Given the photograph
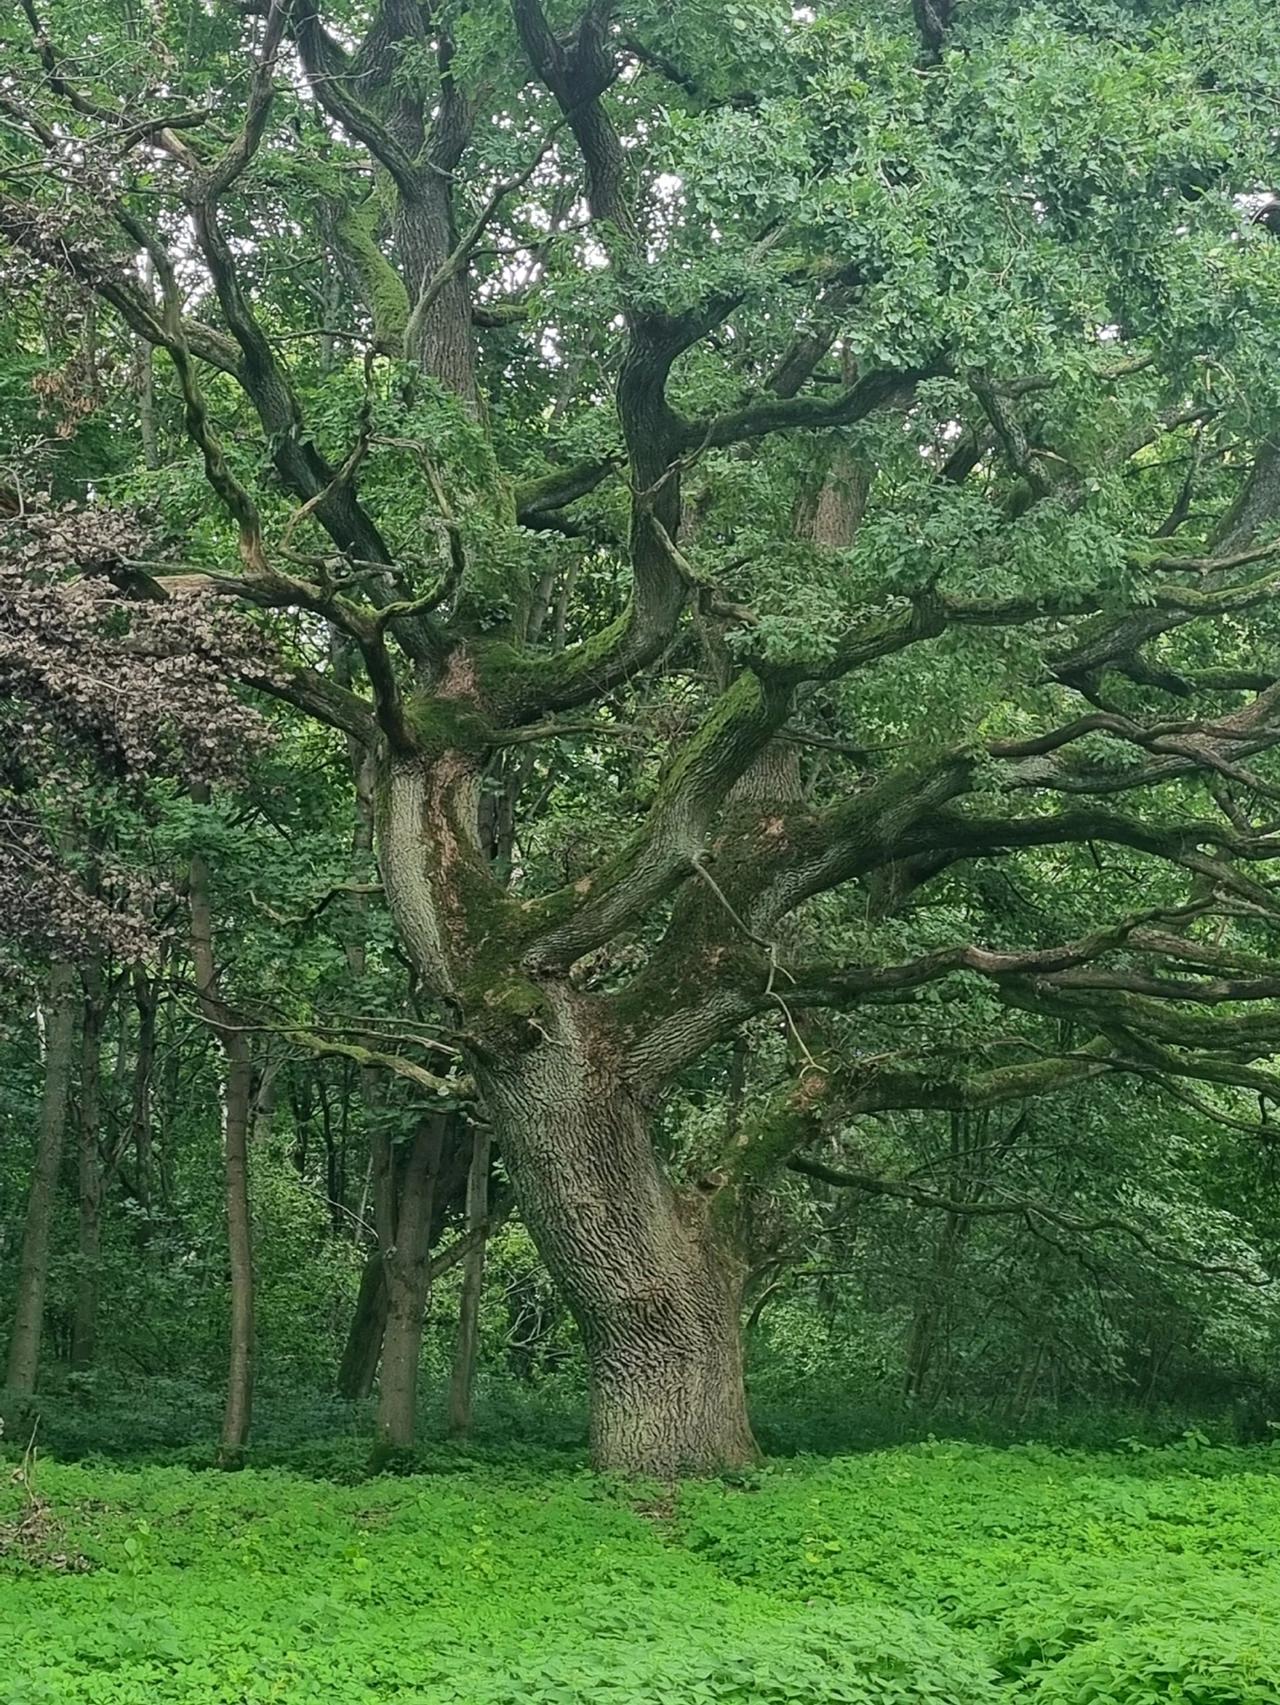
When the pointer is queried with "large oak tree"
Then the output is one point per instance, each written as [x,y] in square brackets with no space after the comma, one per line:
[863,415]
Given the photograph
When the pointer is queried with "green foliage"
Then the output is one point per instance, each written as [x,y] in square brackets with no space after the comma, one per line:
[938,1575]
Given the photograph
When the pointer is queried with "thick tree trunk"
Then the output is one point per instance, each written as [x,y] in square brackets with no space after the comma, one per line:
[667,1393]
[84,1326]
[33,1263]
[463,1378]
[406,1276]
[439,340]
[649,1272]
[653,1275]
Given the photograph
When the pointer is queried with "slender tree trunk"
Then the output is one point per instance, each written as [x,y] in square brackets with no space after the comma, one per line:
[358,1368]
[1033,1363]
[147,1001]
[358,1224]
[405,1273]
[264,1104]
[237,1111]
[144,379]
[975,1156]
[33,1262]
[166,1103]
[650,1273]
[84,1327]
[236,1122]
[363,1349]
[929,1318]
[462,1382]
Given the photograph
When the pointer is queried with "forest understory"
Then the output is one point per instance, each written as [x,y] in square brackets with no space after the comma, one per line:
[934,1574]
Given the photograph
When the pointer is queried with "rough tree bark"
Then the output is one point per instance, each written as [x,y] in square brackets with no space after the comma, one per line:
[33,1262]
[649,1272]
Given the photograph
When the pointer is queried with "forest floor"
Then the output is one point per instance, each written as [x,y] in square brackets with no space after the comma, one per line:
[936,1574]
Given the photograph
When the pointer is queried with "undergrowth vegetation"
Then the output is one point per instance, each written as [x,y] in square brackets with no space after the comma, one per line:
[933,1574]
[174,1422]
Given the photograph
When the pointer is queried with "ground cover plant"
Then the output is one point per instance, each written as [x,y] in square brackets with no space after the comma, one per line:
[942,1574]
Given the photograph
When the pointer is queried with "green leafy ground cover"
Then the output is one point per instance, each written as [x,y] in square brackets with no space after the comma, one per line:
[937,1574]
